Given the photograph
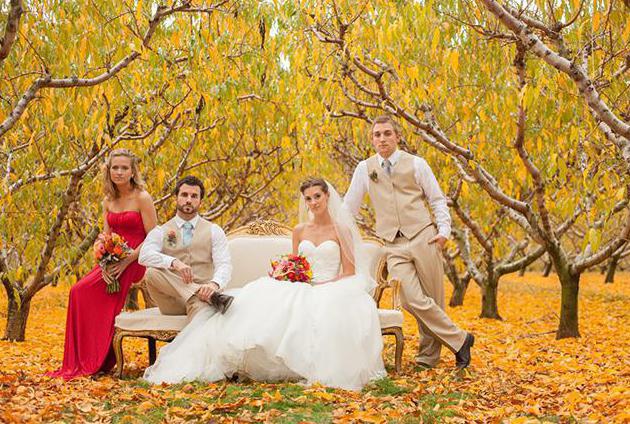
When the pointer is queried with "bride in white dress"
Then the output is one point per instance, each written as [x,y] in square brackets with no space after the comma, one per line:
[325,332]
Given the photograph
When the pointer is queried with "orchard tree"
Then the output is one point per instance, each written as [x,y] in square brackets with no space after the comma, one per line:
[411,60]
[168,81]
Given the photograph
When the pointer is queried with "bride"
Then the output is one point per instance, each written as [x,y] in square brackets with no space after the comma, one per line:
[325,332]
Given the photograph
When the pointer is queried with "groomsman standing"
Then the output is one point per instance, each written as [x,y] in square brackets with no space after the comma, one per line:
[398,184]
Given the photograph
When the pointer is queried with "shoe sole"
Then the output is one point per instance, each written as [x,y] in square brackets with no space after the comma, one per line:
[227,305]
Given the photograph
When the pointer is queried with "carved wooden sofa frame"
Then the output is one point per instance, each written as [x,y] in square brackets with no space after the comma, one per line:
[257,229]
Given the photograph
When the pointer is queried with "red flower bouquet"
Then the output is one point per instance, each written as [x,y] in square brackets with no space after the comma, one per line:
[294,268]
[110,249]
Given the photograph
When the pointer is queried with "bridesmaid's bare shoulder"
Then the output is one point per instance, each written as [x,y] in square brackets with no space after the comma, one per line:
[144,197]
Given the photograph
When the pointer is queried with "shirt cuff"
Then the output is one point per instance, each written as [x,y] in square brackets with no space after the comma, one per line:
[168,261]
[219,281]
[444,232]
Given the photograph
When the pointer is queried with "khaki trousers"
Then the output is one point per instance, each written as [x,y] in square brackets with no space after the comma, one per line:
[418,266]
[172,295]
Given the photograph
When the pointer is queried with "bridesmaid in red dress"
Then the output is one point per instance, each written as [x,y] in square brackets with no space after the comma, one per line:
[127,210]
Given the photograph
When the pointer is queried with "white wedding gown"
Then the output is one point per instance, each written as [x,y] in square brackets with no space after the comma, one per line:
[276,330]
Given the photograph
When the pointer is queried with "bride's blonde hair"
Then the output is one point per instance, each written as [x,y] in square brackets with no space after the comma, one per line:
[137,182]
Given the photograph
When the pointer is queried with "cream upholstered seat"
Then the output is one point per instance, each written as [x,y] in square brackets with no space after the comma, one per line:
[251,248]
[150,318]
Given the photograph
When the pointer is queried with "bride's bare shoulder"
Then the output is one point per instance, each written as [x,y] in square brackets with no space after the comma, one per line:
[299,229]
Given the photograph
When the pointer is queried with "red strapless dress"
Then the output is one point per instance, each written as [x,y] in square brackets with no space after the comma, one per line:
[91,310]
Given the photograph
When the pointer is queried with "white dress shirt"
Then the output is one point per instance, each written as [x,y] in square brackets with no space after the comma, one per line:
[151,252]
[425,179]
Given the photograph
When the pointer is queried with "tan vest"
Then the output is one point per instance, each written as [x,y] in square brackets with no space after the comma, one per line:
[397,200]
[198,254]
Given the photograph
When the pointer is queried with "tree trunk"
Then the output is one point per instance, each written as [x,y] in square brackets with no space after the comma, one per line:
[522,271]
[569,326]
[131,304]
[459,291]
[612,267]
[547,269]
[489,294]
[15,329]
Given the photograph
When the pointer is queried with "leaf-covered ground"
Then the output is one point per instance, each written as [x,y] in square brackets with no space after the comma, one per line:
[519,374]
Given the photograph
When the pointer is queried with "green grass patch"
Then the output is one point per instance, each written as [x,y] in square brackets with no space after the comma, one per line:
[291,391]
[181,402]
[385,387]
[432,413]
[154,415]
[314,412]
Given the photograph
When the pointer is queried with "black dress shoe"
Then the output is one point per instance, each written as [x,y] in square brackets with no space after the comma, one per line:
[462,357]
[221,301]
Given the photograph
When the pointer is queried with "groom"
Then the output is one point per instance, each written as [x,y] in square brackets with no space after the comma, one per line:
[398,184]
[187,258]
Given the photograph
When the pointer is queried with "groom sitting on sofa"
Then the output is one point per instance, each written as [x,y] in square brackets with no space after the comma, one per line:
[187,258]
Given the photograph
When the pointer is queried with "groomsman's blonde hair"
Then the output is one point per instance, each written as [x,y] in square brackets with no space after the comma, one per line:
[386,119]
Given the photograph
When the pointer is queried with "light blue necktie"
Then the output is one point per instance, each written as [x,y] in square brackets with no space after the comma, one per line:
[187,233]
[387,166]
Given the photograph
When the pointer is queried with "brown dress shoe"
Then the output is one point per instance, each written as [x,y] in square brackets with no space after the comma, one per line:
[221,301]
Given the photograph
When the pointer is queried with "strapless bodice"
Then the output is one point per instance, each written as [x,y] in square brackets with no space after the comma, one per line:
[129,225]
[325,258]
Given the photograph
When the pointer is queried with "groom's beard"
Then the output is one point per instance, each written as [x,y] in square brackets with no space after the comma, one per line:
[187,209]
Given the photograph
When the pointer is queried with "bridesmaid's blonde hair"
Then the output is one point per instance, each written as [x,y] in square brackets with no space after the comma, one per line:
[137,182]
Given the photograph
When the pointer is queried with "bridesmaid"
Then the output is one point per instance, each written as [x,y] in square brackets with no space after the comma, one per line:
[127,210]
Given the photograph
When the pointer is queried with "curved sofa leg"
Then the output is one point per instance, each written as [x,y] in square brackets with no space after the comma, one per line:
[118,352]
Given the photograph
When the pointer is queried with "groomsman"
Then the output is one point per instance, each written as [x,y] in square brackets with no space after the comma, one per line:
[187,258]
[399,185]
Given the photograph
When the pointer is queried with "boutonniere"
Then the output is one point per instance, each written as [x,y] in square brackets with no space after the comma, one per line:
[374,176]
[171,238]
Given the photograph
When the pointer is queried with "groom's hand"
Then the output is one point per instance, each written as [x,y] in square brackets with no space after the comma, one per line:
[439,240]
[183,270]
[206,291]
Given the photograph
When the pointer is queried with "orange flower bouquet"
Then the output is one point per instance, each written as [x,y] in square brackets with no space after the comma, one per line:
[110,249]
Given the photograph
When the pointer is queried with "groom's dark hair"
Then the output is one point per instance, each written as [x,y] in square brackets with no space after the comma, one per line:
[190,180]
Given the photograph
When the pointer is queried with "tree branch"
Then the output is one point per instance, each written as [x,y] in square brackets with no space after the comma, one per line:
[519,63]
[506,268]
[87,164]
[461,238]
[48,82]
[573,70]
[482,238]
[604,253]
[11,29]
[38,281]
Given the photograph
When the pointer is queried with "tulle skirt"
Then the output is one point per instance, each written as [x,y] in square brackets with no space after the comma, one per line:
[274,331]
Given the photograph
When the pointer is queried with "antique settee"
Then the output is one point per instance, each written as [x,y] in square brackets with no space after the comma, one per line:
[251,248]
